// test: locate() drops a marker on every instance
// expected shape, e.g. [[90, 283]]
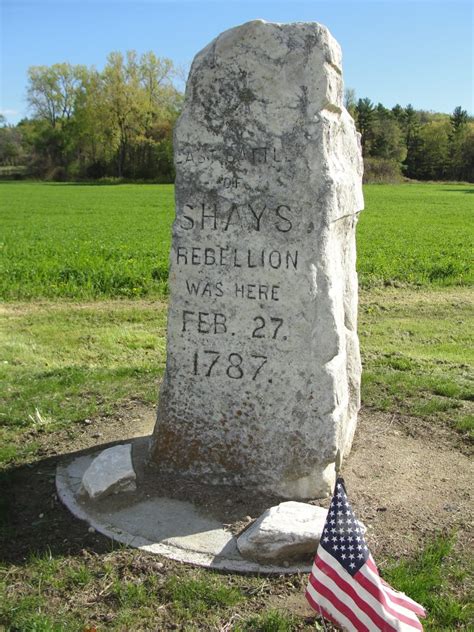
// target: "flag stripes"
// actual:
[[366, 608], [370, 580], [345, 585], [315, 600]]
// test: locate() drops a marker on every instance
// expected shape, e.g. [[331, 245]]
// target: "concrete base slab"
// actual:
[[171, 527]]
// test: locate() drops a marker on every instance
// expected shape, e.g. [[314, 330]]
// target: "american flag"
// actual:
[[344, 585]]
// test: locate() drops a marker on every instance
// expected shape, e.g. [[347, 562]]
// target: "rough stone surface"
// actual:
[[110, 472], [262, 378], [288, 532]]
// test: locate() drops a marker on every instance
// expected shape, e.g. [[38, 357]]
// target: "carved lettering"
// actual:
[[209, 363], [235, 258], [253, 217], [201, 288], [253, 155], [204, 322]]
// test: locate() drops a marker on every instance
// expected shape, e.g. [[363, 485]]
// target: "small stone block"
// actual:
[[289, 531], [110, 473]]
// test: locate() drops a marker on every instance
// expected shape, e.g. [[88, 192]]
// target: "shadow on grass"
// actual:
[[85, 183], [96, 183], [34, 521], [468, 190]]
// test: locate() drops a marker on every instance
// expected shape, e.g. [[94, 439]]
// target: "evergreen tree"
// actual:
[[457, 138]]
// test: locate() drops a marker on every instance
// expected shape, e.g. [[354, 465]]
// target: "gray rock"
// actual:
[[288, 532], [262, 377], [110, 472]]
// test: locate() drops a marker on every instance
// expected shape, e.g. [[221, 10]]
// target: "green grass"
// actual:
[[65, 363], [418, 234], [418, 355], [84, 241], [88, 242], [122, 590], [436, 579], [191, 597], [271, 621]]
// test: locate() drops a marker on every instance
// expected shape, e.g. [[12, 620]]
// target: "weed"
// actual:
[[193, 596], [271, 621], [130, 594]]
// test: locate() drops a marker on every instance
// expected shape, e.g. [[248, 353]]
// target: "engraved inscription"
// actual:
[[249, 216], [210, 363], [235, 258], [235, 154], [250, 291]]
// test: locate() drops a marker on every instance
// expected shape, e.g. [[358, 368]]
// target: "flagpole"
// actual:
[[337, 465]]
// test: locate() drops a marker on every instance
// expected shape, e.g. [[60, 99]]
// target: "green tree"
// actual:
[[388, 139], [53, 94], [457, 140], [467, 155], [53, 91], [11, 145], [430, 161], [365, 116], [115, 122], [411, 129]]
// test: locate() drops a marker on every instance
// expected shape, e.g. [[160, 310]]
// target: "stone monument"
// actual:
[[262, 378]]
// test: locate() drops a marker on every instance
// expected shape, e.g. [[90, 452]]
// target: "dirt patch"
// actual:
[[404, 487]]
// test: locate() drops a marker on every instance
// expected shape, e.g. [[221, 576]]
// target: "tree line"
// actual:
[[118, 123], [87, 124], [420, 145]]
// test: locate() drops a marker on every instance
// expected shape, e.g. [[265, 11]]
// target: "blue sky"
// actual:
[[395, 51]]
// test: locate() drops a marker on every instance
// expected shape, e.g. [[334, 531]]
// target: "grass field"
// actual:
[[416, 234], [89, 242], [83, 242], [70, 363]]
